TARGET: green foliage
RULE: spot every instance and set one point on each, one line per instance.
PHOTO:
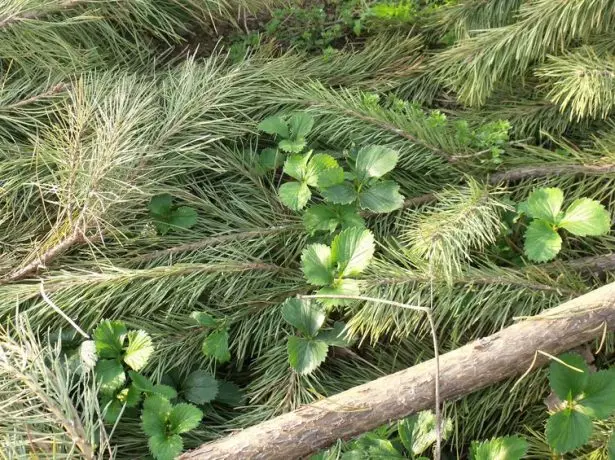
(584, 396)
(199, 387)
(584, 217)
(291, 132)
(216, 343)
(506, 448)
(168, 217)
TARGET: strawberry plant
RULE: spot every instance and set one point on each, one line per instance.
(505, 448)
(215, 344)
(584, 217)
(166, 216)
(290, 132)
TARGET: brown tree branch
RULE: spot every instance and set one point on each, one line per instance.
(472, 367)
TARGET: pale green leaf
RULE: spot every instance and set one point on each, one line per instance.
(599, 395)
(305, 355)
(568, 430)
(200, 387)
(204, 319)
(545, 204)
(292, 146)
(424, 433)
(352, 250)
(215, 346)
(506, 448)
(295, 195)
(139, 349)
(305, 315)
(337, 336)
(141, 382)
(165, 391)
(345, 286)
(154, 422)
(381, 197)
(585, 217)
(111, 375)
(320, 217)
(296, 166)
(317, 265)
(343, 193)
(374, 161)
(300, 124)
(566, 382)
(323, 171)
(183, 418)
(165, 447)
(109, 338)
(274, 125)
(542, 243)
(183, 217)
(405, 429)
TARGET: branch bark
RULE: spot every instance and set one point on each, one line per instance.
(472, 367)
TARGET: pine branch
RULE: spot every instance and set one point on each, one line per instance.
(8, 20)
(56, 89)
(552, 169)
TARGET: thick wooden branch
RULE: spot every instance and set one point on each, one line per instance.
(477, 365)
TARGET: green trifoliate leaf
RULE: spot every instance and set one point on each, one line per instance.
(343, 193)
(585, 217)
(317, 265)
(506, 448)
(352, 250)
(165, 447)
(566, 382)
(183, 217)
(271, 158)
(599, 395)
(157, 404)
(109, 338)
(305, 355)
(345, 286)
(215, 346)
(327, 218)
(542, 243)
(275, 126)
(545, 204)
(111, 375)
(336, 336)
(305, 315)
(381, 197)
(184, 417)
(323, 171)
(568, 430)
(374, 161)
(296, 166)
(300, 124)
(230, 394)
(139, 349)
(204, 319)
(350, 217)
(200, 387)
(140, 382)
(292, 146)
(164, 391)
(161, 204)
(294, 195)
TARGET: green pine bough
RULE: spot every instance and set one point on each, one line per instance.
(341, 195)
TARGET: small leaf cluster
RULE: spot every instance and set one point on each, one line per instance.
(290, 132)
(335, 267)
(508, 448)
(584, 217)
(166, 216)
(584, 397)
(215, 345)
(308, 351)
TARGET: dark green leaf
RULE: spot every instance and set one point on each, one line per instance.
(568, 430)
(271, 158)
(566, 382)
(112, 408)
(109, 337)
(274, 125)
(200, 387)
(305, 355)
(599, 395)
(215, 346)
(320, 217)
(343, 193)
(230, 394)
(153, 421)
(130, 396)
(165, 447)
(204, 319)
(506, 448)
(542, 243)
(405, 430)
(111, 375)
(161, 204)
(374, 161)
(336, 336)
(352, 250)
(165, 391)
(305, 315)
(184, 417)
(141, 382)
(381, 197)
(317, 265)
(157, 404)
(183, 217)
(139, 349)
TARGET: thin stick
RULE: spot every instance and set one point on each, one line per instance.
(61, 313)
(432, 326)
